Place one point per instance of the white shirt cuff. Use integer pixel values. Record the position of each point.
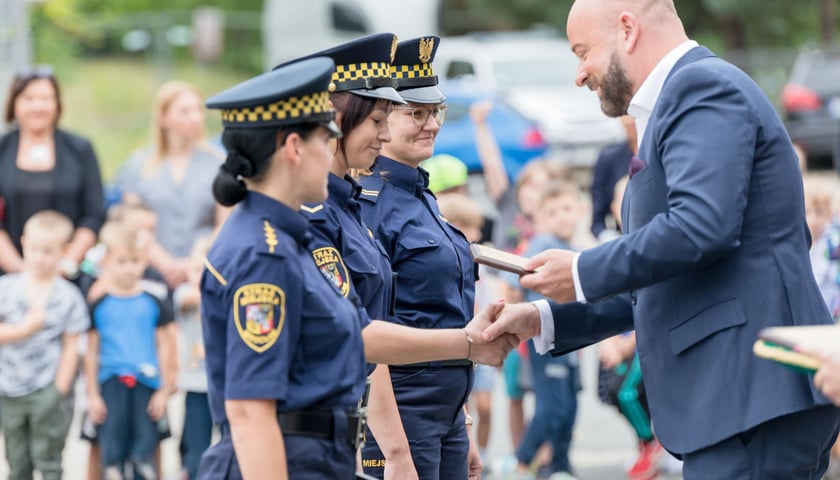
(545, 341)
(576, 278)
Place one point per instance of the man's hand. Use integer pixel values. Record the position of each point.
(492, 351)
(553, 275)
(520, 320)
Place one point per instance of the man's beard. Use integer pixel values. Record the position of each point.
(616, 90)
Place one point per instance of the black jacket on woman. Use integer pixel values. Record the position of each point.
(76, 184)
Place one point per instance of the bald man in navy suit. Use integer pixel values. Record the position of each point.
(715, 249)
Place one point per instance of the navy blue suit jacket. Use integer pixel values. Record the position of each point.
(716, 249)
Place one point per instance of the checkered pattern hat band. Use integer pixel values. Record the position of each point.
(411, 76)
(366, 75)
(313, 107)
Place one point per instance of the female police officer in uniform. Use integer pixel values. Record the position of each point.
(435, 272)
(285, 358)
(343, 245)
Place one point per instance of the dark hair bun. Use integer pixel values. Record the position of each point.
(228, 189)
(238, 164)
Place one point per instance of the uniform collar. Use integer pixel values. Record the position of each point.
(412, 180)
(283, 217)
(343, 189)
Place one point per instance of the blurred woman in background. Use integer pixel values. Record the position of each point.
(173, 177)
(43, 167)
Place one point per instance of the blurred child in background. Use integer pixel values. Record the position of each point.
(127, 347)
(138, 216)
(559, 209)
(822, 192)
(42, 315)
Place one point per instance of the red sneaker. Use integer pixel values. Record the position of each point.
(647, 465)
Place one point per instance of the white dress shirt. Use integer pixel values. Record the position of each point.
(640, 108)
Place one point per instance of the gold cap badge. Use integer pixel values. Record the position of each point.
(426, 47)
(393, 48)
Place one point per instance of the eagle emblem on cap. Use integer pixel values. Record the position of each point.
(426, 47)
(393, 48)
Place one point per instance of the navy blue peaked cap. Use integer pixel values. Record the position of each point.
(362, 66)
(290, 95)
(412, 70)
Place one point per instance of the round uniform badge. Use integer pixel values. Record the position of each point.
(259, 310)
(332, 266)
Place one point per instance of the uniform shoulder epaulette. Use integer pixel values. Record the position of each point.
(371, 186)
(313, 211)
(270, 243)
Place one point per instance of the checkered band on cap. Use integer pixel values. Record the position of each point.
(284, 110)
(422, 70)
(360, 71)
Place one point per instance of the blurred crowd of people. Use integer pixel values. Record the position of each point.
(141, 259)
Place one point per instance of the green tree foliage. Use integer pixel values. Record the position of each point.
(65, 28)
(732, 24)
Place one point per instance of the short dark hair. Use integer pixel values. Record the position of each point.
(21, 80)
(354, 110)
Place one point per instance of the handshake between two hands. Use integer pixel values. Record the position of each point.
(499, 328)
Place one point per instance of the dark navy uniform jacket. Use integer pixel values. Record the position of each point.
(343, 246)
(274, 327)
(435, 272)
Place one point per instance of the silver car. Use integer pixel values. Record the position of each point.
(535, 73)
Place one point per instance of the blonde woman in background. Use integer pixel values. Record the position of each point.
(173, 177)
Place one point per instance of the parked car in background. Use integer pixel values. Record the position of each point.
(520, 139)
(534, 72)
(811, 106)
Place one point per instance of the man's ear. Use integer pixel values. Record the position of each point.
(628, 26)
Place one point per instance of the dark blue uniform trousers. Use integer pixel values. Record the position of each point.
(791, 447)
(431, 404)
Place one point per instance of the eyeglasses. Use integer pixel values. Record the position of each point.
(34, 71)
(420, 115)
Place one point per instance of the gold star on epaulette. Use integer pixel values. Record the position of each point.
(270, 236)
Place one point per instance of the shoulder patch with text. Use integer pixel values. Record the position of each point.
(259, 310)
(332, 266)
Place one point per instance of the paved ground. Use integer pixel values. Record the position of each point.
(603, 443)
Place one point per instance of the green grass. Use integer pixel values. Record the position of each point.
(110, 102)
